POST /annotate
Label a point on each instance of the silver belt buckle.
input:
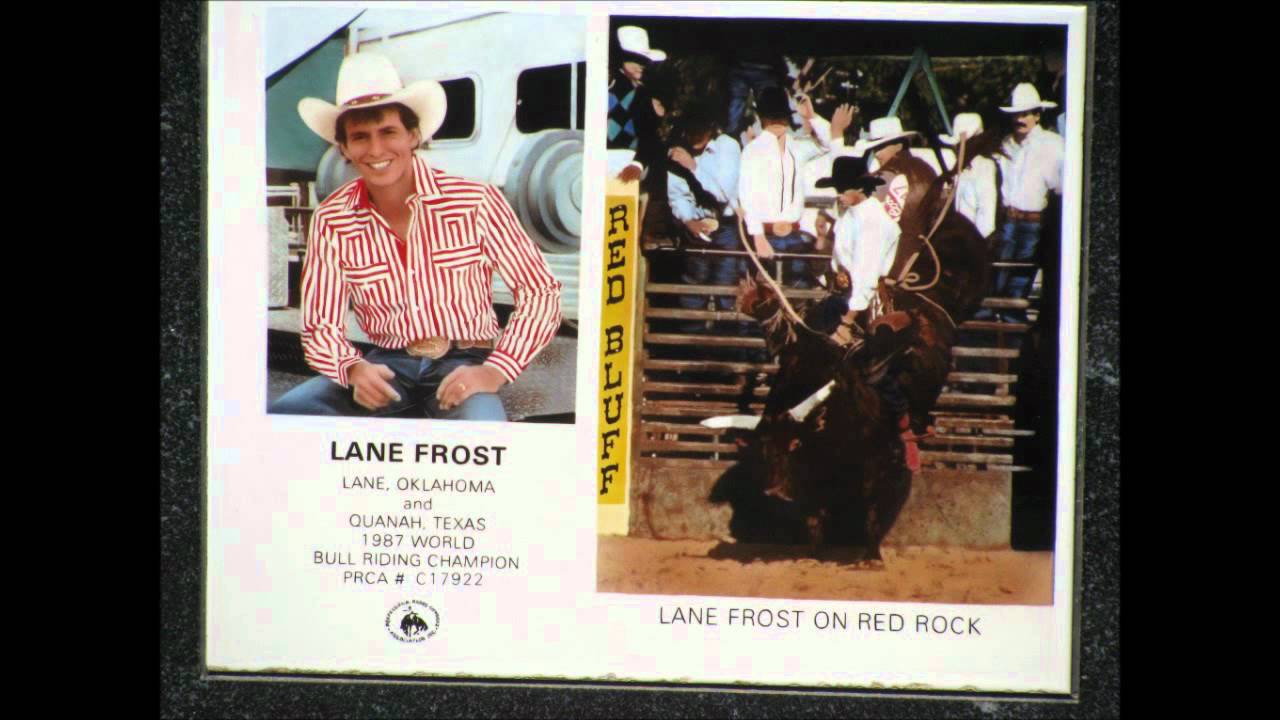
(432, 347)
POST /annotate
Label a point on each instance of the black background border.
(185, 692)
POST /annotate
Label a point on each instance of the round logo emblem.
(412, 621)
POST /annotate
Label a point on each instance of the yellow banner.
(617, 307)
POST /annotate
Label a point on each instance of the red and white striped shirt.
(438, 284)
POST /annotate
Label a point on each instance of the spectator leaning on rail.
(1031, 166)
(413, 251)
(702, 189)
(771, 183)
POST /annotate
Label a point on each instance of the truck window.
(460, 120)
(545, 97)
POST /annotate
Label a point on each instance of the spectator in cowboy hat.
(976, 192)
(1031, 169)
(412, 250)
(633, 111)
(885, 146)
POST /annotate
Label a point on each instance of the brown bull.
(825, 466)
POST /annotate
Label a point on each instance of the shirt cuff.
(755, 228)
(343, 367)
(504, 364)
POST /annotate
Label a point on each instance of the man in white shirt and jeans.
(771, 183)
(1031, 169)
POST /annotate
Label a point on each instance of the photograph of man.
(412, 250)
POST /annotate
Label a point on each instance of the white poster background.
(274, 496)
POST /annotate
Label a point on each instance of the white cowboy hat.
(634, 39)
(1026, 97)
(965, 125)
(881, 131)
(370, 80)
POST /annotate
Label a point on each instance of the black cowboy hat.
(850, 172)
(772, 103)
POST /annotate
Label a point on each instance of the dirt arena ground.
(909, 574)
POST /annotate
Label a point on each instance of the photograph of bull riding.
(845, 346)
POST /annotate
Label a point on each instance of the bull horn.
(742, 422)
(800, 412)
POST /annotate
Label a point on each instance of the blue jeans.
(796, 272)
(719, 269)
(1017, 242)
(416, 381)
(743, 78)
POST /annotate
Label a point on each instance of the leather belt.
(773, 228)
(436, 347)
(1016, 214)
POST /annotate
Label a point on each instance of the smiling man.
(412, 250)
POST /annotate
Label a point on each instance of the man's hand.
(698, 227)
(466, 381)
(841, 120)
(763, 248)
(658, 108)
(630, 173)
(804, 106)
(683, 157)
(370, 380)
